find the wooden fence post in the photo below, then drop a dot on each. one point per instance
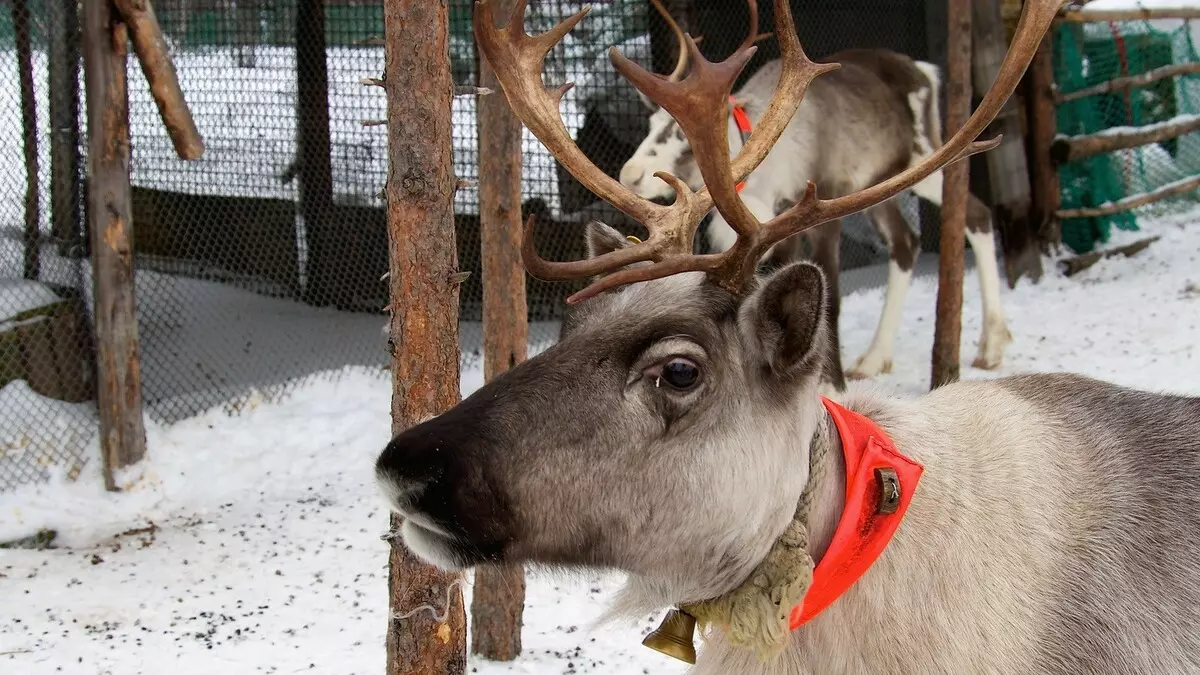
(66, 214)
(33, 239)
(1043, 128)
(423, 267)
(498, 598)
(110, 223)
(948, 328)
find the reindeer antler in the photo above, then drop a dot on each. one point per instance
(699, 104)
(681, 62)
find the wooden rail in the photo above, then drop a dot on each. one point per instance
(1123, 83)
(1133, 201)
(1073, 148)
(1074, 14)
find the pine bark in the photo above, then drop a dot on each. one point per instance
(110, 221)
(948, 327)
(498, 597)
(424, 293)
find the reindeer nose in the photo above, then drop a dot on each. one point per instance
(403, 471)
(631, 174)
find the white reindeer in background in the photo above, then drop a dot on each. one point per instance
(1034, 524)
(874, 117)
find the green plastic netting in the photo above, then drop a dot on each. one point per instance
(1090, 54)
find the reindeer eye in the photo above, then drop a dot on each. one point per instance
(679, 373)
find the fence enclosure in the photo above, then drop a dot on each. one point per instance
(262, 262)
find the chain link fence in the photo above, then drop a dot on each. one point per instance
(1086, 57)
(261, 263)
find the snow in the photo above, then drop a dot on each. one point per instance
(250, 540)
(22, 295)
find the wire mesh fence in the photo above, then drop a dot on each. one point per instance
(1087, 57)
(260, 264)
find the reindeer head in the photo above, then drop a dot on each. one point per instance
(667, 432)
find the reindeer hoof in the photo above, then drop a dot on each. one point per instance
(866, 368)
(991, 347)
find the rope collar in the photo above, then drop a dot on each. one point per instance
(786, 590)
(742, 120)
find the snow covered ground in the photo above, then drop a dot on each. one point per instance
(250, 542)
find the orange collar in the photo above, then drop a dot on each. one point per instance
(742, 120)
(880, 482)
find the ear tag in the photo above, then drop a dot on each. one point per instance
(633, 239)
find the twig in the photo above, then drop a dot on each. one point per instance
(1072, 266)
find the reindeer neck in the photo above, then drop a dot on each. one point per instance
(829, 492)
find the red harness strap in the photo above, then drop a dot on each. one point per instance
(742, 120)
(880, 482)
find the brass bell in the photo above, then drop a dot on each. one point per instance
(674, 636)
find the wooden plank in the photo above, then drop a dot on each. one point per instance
(948, 324)
(498, 596)
(1074, 148)
(1086, 15)
(1125, 83)
(1134, 201)
(152, 53)
(122, 432)
(29, 132)
(422, 266)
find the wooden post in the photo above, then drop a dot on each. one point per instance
(948, 328)
(1043, 127)
(423, 264)
(313, 161)
(498, 598)
(66, 214)
(160, 74)
(1008, 171)
(33, 216)
(122, 432)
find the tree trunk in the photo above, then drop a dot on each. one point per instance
(424, 295)
(498, 599)
(312, 149)
(122, 432)
(948, 328)
(66, 214)
(33, 216)
(1043, 127)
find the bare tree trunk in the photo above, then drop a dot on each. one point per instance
(312, 149)
(1043, 127)
(33, 216)
(160, 74)
(498, 600)
(948, 329)
(424, 294)
(66, 214)
(122, 432)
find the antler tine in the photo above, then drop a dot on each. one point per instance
(752, 35)
(681, 60)
(810, 211)
(517, 60)
(733, 268)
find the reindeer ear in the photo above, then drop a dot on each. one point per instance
(786, 318)
(603, 239)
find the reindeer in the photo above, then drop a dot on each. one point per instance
(865, 122)
(1030, 524)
